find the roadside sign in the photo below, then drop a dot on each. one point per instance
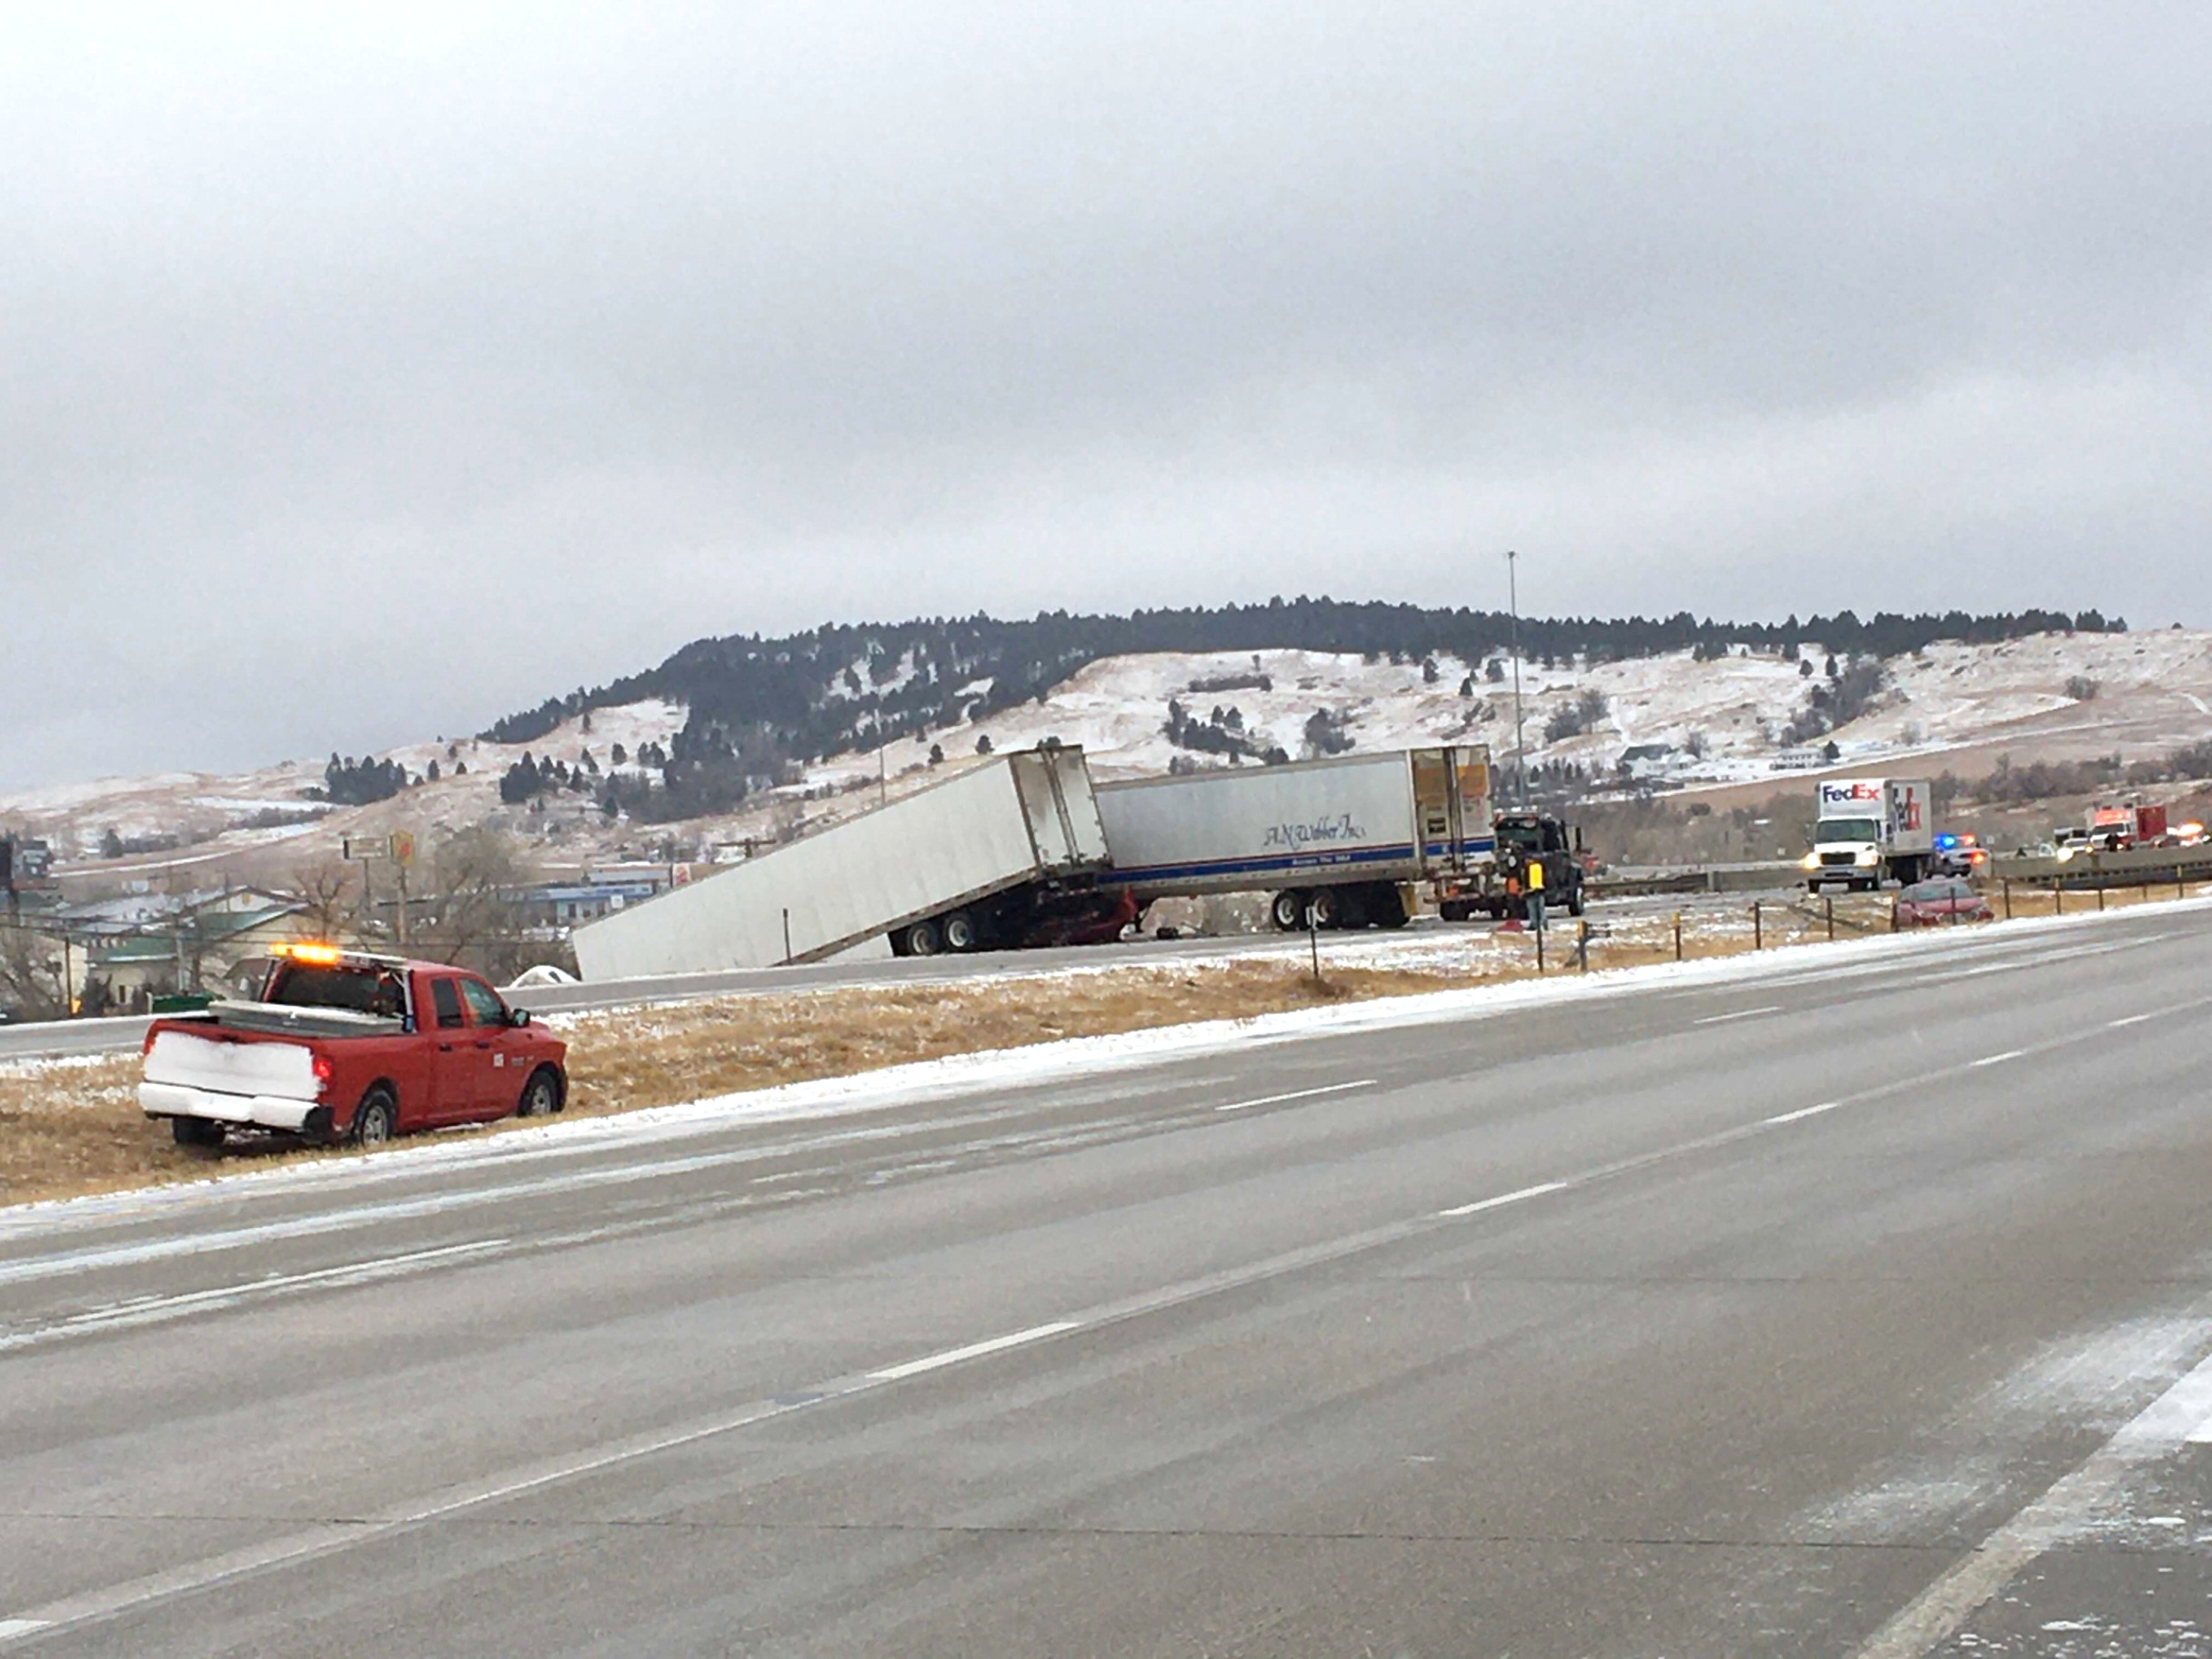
(398, 847)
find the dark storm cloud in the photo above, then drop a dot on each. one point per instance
(364, 379)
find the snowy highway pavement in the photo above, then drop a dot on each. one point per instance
(1853, 1301)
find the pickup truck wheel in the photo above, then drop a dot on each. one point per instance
(375, 1118)
(961, 931)
(540, 1096)
(195, 1131)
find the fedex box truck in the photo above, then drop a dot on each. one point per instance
(1870, 831)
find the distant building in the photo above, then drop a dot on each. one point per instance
(145, 944)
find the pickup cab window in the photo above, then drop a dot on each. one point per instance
(484, 1005)
(447, 1001)
(355, 989)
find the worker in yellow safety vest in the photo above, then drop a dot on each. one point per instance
(1532, 874)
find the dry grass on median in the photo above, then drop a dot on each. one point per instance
(73, 1127)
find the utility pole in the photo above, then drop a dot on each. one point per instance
(1513, 591)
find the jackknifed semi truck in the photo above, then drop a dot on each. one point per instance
(1005, 853)
(1344, 842)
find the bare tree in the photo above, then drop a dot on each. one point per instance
(31, 973)
(332, 909)
(477, 918)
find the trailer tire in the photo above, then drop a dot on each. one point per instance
(1288, 910)
(1455, 910)
(1327, 909)
(922, 939)
(1389, 909)
(195, 1131)
(962, 933)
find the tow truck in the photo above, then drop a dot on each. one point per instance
(346, 1046)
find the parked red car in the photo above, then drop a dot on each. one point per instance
(345, 1046)
(1940, 902)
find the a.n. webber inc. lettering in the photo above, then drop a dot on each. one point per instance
(1321, 832)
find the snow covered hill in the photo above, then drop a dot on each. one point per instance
(1687, 723)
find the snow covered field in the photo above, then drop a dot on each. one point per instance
(1693, 724)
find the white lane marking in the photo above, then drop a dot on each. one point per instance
(1997, 1060)
(21, 1627)
(1740, 1014)
(1937, 1612)
(2114, 1025)
(1802, 1113)
(1502, 1199)
(324, 1541)
(1296, 1094)
(973, 1350)
(155, 1310)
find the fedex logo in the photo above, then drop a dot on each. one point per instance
(1848, 794)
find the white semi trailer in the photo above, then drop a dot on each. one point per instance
(1341, 838)
(1004, 853)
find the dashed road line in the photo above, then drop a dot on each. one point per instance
(973, 1350)
(1740, 1014)
(1503, 1199)
(1801, 1113)
(1297, 1095)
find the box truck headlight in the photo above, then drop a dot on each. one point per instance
(1869, 855)
(1810, 861)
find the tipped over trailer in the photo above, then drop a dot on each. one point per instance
(1347, 840)
(1004, 853)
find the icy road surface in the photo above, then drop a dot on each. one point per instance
(1851, 1302)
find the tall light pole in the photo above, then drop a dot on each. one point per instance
(1512, 592)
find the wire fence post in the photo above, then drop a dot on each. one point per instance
(1828, 901)
(1582, 946)
(1539, 933)
(1678, 936)
(787, 935)
(2007, 898)
(2100, 898)
(1757, 926)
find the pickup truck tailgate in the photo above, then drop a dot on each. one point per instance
(269, 1082)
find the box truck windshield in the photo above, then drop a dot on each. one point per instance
(1829, 831)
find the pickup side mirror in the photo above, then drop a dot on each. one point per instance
(517, 1017)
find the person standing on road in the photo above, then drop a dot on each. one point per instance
(1533, 882)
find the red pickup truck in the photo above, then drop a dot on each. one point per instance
(341, 1046)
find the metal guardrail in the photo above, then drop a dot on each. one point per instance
(2135, 867)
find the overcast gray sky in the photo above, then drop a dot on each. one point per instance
(364, 377)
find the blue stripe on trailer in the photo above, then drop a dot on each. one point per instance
(1288, 863)
(1281, 863)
